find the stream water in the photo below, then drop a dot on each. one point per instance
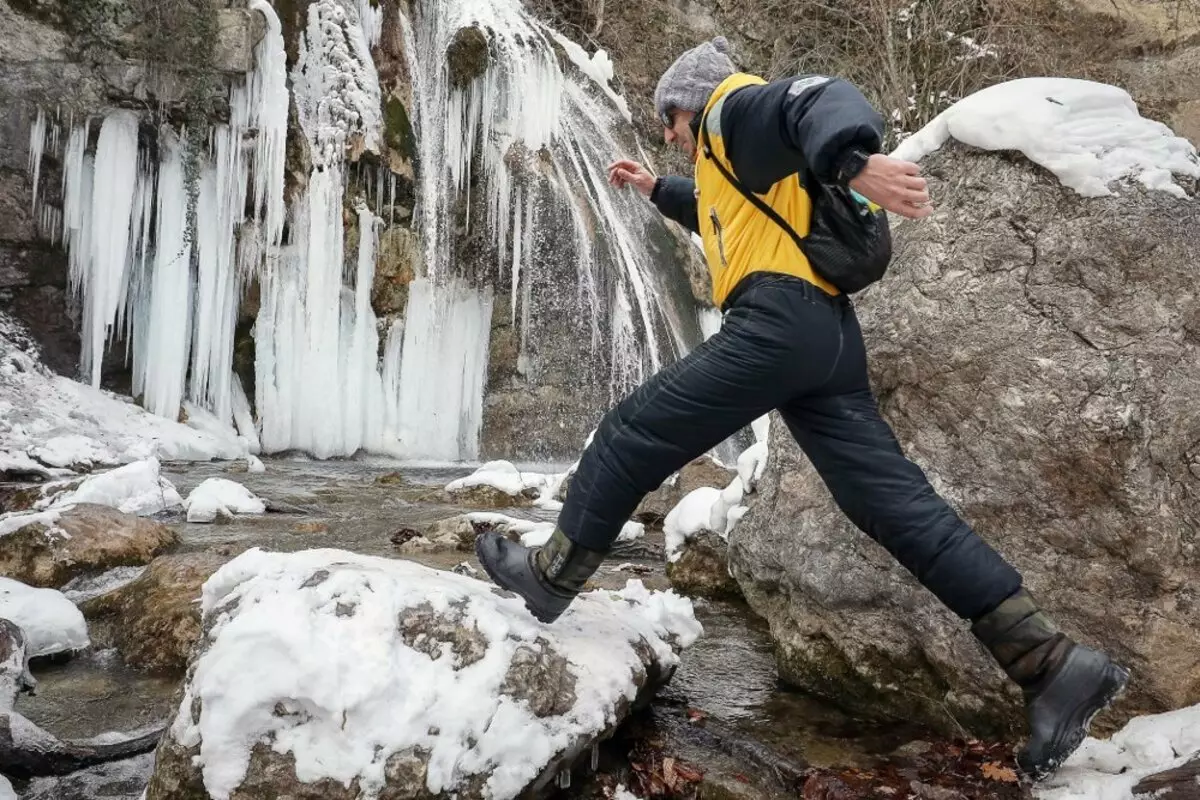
(754, 726)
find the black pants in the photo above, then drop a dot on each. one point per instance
(786, 345)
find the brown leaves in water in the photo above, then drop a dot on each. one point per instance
(995, 771)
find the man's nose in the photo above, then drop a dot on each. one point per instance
(668, 135)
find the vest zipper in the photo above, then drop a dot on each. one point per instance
(720, 233)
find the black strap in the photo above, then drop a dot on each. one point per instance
(749, 195)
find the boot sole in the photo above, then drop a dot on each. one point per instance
(541, 616)
(1116, 678)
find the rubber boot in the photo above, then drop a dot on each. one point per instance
(548, 578)
(1065, 684)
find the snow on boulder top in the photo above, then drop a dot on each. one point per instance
(1088, 134)
(344, 661)
(51, 622)
(135, 488)
(221, 496)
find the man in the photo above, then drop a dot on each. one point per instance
(790, 342)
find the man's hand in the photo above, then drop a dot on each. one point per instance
(895, 185)
(630, 173)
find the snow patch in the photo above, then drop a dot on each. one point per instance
(73, 450)
(135, 488)
(703, 509)
(1108, 769)
(505, 477)
(751, 464)
(364, 694)
(51, 622)
(220, 496)
(1088, 134)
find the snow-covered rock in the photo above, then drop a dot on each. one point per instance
(1088, 134)
(499, 484)
(1111, 769)
(50, 548)
(135, 488)
(370, 675)
(535, 534)
(221, 497)
(51, 623)
(71, 424)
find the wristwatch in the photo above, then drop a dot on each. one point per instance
(852, 163)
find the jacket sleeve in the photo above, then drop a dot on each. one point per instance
(675, 198)
(774, 130)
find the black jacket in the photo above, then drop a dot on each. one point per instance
(774, 130)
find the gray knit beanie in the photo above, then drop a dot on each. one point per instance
(690, 81)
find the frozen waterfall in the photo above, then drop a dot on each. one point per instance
(513, 158)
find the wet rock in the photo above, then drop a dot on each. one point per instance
(701, 472)
(390, 479)
(702, 568)
(84, 541)
(444, 536)
(310, 527)
(447, 635)
(1038, 355)
(467, 55)
(238, 31)
(155, 620)
(1181, 783)
(395, 270)
(484, 496)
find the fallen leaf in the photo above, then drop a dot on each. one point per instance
(669, 776)
(687, 773)
(995, 771)
(696, 715)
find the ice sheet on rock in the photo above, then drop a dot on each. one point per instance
(86, 587)
(118, 780)
(1088, 134)
(51, 622)
(19, 463)
(9, 523)
(254, 464)
(366, 694)
(1108, 769)
(6, 790)
(220, 496)
(135, 488)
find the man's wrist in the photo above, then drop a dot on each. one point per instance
(658, 182)
(851, 164)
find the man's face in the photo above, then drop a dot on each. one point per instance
(678, 133)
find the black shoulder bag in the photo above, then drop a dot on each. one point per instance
(848, 244)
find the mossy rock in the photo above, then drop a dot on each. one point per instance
(397, 128)
(467, 56)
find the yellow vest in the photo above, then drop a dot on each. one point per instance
(738, 238)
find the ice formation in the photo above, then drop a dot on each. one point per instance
(168, 286)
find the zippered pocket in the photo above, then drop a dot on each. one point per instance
(719, 231)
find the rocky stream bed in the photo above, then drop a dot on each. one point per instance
(724, 727)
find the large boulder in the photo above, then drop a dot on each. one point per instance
(696, 474)
(1038, 354)
(154, 621)
(85, 540)
(334, 675)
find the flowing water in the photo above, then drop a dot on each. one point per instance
(754, 726)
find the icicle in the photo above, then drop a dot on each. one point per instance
(37, 144)
(108, 234)
(269, 101)
(243, 419)
(161, 352)
(370, 13)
